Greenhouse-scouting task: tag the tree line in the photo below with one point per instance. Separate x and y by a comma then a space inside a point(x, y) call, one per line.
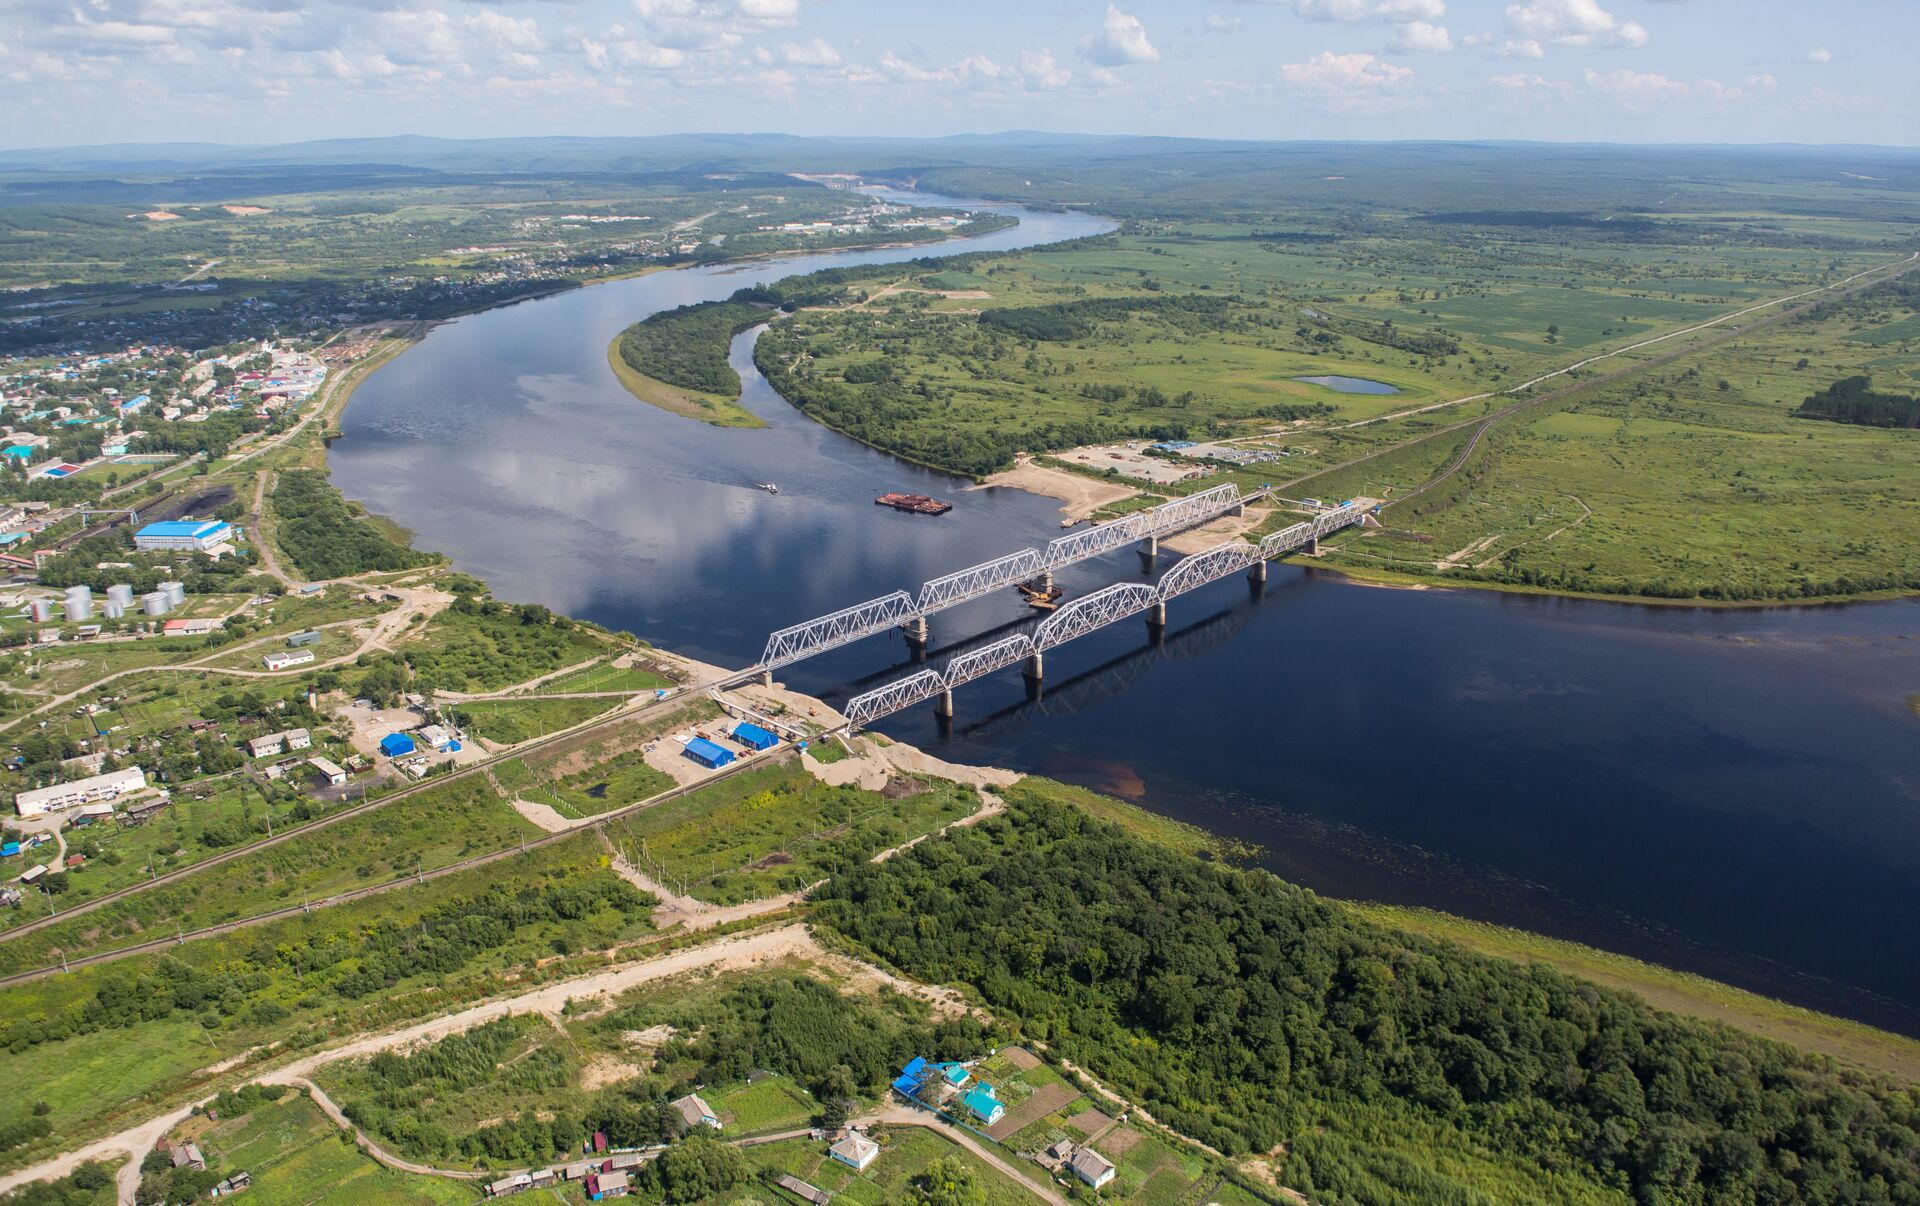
point(1250, 1013)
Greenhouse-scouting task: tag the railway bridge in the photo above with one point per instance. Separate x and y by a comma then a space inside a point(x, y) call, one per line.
point(910, 613)
point(1092, 612)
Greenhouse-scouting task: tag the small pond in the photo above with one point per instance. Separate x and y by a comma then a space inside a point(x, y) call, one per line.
point(1351, 385)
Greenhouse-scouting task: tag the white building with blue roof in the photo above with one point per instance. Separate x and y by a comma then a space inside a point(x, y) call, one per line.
point(209, 536)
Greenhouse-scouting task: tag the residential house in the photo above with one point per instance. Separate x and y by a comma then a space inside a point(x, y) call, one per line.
point(856, 1151)
point(601, 1186)
point(984, 1103)
point(694, 1111)
point(279, 743)
point(1092, 1167)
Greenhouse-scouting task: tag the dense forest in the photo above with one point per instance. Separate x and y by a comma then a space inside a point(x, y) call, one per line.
point(1064, 321)
point(1250, 1014)
point(687, 346)
point(323, 538)
point(1853, 400)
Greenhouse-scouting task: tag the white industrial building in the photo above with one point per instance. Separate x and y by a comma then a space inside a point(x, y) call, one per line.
point(291, 657)
point(279, 743)
point(186, 536)
point(80, 791)
point(330, 769)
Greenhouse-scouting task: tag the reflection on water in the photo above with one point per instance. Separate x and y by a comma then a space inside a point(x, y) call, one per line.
point(1734, 792)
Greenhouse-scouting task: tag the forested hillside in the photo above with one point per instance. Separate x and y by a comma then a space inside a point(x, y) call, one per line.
point(1252, 1014)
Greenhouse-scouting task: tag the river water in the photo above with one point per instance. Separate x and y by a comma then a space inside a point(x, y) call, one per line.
point(1735, 793)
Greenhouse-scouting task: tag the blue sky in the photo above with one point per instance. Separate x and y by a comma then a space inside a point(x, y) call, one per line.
point(85, 71)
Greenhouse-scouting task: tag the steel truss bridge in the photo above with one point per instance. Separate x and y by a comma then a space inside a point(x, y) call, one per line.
point(1091, 613)
point(901, 610)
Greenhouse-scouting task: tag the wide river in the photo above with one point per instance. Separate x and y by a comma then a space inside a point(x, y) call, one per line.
point(1732, 792)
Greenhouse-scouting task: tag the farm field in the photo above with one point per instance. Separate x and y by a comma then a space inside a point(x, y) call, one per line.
point(509, 722)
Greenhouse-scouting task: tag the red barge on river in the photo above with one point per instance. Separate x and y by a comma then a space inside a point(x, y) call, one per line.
point(919, 504)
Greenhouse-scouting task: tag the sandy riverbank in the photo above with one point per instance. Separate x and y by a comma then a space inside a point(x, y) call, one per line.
point(1082, 495)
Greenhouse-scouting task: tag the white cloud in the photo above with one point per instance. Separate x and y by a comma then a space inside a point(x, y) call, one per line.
point(1571, 23)
point(770, 14)
point(810, 54)
point(1371, 10)
point(1122, 39)
point(1819, 54)
point(1646, 91)
point(506, 33)
point(1352, 83)
point(1418, 37)
point(1765, 83)
point(1039, 70)
point(1227, 25)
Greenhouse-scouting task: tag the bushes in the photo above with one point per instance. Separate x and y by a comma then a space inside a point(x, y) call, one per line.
point(1247, 1012)
point(321, 536)
point(478, 645)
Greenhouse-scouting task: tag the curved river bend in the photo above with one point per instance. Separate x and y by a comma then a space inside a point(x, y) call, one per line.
point(1736, 793)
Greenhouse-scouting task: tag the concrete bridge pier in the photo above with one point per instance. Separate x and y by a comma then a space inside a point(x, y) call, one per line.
point(1258, 572)
point(1150, 547)
point(1044, 582)
point(943, 706)
point(1036, 667)
point(917, 636)
point(1313, 547)
point(766, 678)
point(1157, 617)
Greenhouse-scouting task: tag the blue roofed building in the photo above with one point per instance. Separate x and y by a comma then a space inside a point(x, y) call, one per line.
point(754, 735)
point(983, 1103)
point(185, 535)
point(394, 745)
point(911, 1077)
point(955, 1074)
point(707, 754)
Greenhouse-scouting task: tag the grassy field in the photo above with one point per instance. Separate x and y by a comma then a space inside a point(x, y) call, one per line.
point(1690, 480)
point(282, 982)
point(511, 721)
point(777, 829)
point(605, 676)
point(437, 827)
point(298, 1157)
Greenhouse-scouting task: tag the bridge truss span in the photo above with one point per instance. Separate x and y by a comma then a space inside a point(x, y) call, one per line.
point(978, 663)
point(1096, 540)
point(840, 628)
point(1207, 566)
point(1193, 509)
point(886, 700)
point(1097, 610)
point(978, 580)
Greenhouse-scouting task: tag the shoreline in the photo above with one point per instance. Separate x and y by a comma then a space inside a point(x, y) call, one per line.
point(1075, 490)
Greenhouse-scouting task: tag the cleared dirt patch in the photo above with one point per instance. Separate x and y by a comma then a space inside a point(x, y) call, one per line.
point(1119, 1142)
point(1045, 1100)
point(606, 1070)
point(1021, 1058)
